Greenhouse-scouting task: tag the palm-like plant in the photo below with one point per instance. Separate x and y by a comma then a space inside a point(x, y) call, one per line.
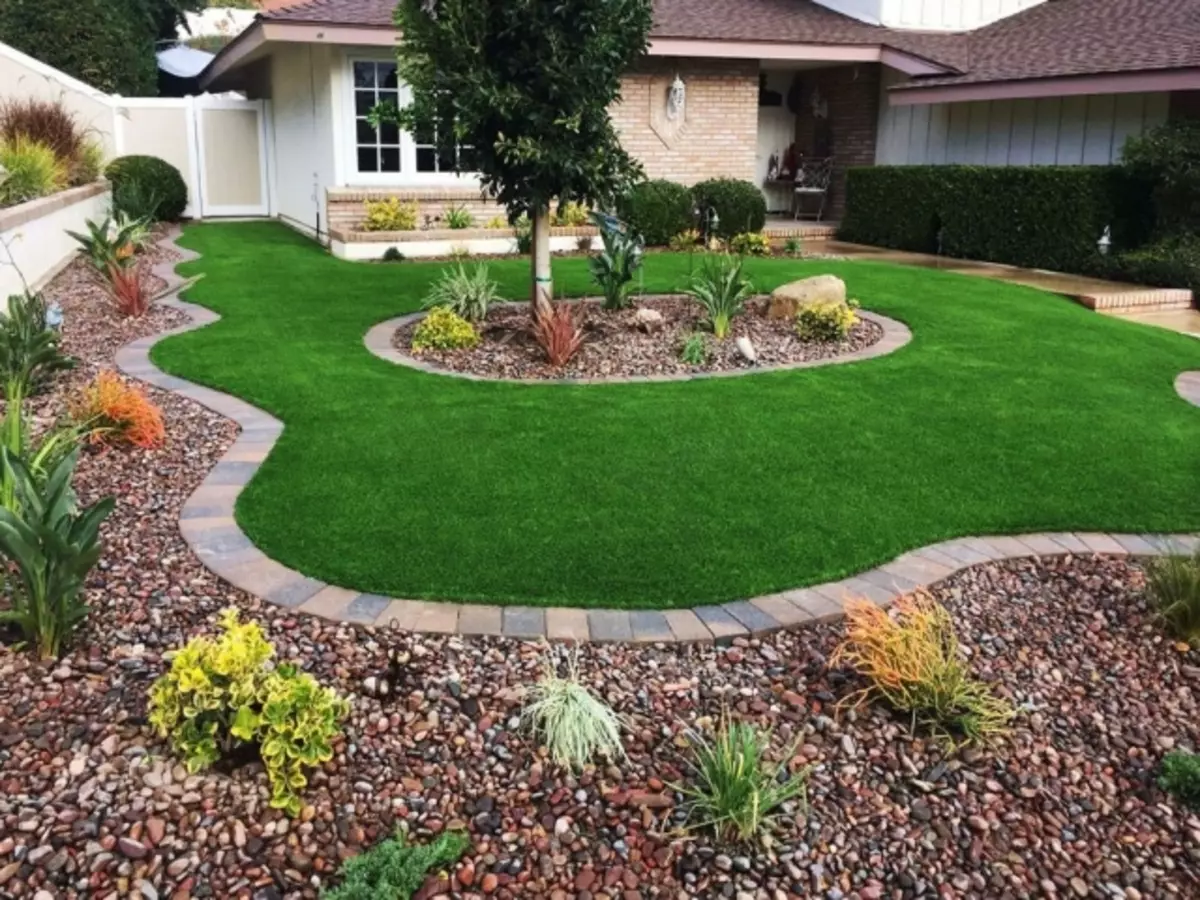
point(113, 242)
point(53, 546)
point(721, 289)
point(614, 266)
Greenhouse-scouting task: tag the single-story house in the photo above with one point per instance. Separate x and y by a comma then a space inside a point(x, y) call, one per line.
point(992, 82)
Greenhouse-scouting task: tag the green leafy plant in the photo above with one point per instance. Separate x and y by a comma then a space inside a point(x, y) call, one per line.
point(1173, 583)
point(613, 268)
point(390, 214)
point(146, 187)
point(687, 241)
point(735, 789)
point(572, 215)
point(573, 723)
point(657, 210)
point(523, 233)
point(221, 695)
point(469, 294)
point(31, 170)
point(393, 254)
point(459, 218)
point(1180, 777)
point(793, 246)
point(750, 243)
point(827, 321)
point(112, 243)
point(911, 660)
point(29, 348)
point(444, 329)
point(395, 869)
point(739, 206)
point(52, 546)
point(694, 351)
point(721, 289)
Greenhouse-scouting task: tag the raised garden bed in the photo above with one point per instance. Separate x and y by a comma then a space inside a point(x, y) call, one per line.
point(616, 345)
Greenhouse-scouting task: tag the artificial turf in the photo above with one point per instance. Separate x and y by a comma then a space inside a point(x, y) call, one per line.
point(1012, 410)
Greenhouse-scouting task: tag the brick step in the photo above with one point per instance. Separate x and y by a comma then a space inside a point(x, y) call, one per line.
point(1139, 300)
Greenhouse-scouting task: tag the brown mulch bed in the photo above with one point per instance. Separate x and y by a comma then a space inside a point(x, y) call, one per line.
point(93, 805)
point(615, 347)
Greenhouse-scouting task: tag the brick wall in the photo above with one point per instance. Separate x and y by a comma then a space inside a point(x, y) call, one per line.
point(721, 133)
point(346, 210)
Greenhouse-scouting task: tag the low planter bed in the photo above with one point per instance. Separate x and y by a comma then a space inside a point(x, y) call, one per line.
point(617, 345)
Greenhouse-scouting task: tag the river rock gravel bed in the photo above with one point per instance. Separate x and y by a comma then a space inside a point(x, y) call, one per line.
point(92, 805)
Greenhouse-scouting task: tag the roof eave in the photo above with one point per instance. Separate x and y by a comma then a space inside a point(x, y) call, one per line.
point(1132, 82)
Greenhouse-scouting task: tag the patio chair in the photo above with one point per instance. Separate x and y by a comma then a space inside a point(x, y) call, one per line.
point(813, 177)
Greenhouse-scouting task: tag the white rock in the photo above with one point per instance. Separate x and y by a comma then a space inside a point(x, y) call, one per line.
point(745, 347)
point(649, 320)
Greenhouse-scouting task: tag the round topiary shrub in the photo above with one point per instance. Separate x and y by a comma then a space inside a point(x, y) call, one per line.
point(147, 187)
point(740, 205)
point(657, 210)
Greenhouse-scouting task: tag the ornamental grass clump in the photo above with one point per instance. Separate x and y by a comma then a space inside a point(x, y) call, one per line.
point(736, 790)
point(444, 329)
point(31, 170)
point(721, 289)
point(395, 869)
point(1173, 583)
point(223, 695)
point(468, 294)
point(575, 725)
point(112, 412)
point(912, 661)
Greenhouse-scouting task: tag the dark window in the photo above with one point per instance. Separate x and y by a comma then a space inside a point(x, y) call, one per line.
point(378, 148)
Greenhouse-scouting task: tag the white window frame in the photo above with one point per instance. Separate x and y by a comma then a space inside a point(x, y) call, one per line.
point(408, 176)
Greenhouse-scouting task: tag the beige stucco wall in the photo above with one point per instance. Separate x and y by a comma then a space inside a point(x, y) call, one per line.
point(154, 131)
point(719, 134)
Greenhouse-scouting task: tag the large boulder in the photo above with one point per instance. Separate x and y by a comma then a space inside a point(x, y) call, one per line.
point(788, 298)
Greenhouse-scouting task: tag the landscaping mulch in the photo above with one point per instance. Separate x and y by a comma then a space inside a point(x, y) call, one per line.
point(616, 346)
point(93, 805)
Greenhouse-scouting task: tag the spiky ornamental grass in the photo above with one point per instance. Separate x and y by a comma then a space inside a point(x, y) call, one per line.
point(1174, 586)
point(575, 725)
point(736, 790)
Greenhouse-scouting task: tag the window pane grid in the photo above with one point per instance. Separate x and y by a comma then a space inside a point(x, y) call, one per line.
point(378, 149)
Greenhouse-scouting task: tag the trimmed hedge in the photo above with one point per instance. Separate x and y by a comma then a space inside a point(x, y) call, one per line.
point(150, 181)
point(1171, 262)
point(740, 205)
point(1047, 217)
point(657, 210)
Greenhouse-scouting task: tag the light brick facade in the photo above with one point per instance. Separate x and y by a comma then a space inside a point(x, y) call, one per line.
point(721, 131)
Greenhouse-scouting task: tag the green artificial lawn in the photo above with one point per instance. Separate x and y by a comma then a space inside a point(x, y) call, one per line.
point(1011, 411)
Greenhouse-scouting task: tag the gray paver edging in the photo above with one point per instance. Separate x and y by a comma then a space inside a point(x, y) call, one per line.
point(207, 524)
point(378, 341)
point(1188, 387)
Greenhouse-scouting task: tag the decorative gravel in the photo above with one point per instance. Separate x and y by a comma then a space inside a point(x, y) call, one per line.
point(92, 805)
point(615, 346)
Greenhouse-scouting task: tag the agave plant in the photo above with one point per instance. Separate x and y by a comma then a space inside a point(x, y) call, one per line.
point(52, 546)
point(721, 289)
point(614, 266)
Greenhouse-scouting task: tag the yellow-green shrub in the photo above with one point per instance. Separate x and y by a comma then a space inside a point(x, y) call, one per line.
point(219, 695)
point(497, 222)
point(826, 321)
point(444, 329)
point(390, 214)
point(750, 243)
point(31, 171)
point(571, 215)
point(687, 241)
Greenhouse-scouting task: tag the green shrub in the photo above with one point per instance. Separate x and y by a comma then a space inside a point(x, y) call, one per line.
point(53, 545)
point(146, 187)
point(751, 243)
point(571, 215)
point(393, 254)
point(1173, 583)
point(1170, 262)
point(395, 869)
point(614, 266)
point(31, 171)
point(221, 695)
point(459, 218)
point(721, 289)
point(108, 44)
point(467, 294)
point(739, 205)
point(826, 321)
point(575, 726)
point(657, 210)
point(1168, 158)
point(736, 789)
point(694, 351)
point(444, 329)
point(793, 246)
point(685, 242)
point(1180, 777)
point(1036, 216)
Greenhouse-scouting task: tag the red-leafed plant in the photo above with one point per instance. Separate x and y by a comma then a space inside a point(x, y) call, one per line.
point(128, 291)
point(559, 332)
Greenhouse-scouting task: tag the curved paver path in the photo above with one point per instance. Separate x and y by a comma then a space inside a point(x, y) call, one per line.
point(379, 342)
point(1188, 386)
point(208, 525)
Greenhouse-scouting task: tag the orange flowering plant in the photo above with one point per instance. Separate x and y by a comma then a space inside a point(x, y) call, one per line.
point(112, 412)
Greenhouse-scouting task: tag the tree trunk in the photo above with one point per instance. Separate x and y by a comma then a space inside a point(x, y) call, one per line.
point(543, 286)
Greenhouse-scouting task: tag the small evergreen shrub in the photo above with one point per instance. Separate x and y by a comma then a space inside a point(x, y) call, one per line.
point(826, 321)
point(573, 723)
point(113, 412)
point(750, 243)
point(147, 187)
point(468, 294)
point(694, 351)
point(393, 254)
point(657, 211)
point(221, 695)
point(1169, 262)
point(395, 869)
point(793, 246)
point(1173, 583)
point(390, 214)
point(1168, 158)
point(444, 329)
point(31, 170)
point(739, 205)
point(1180, 777)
